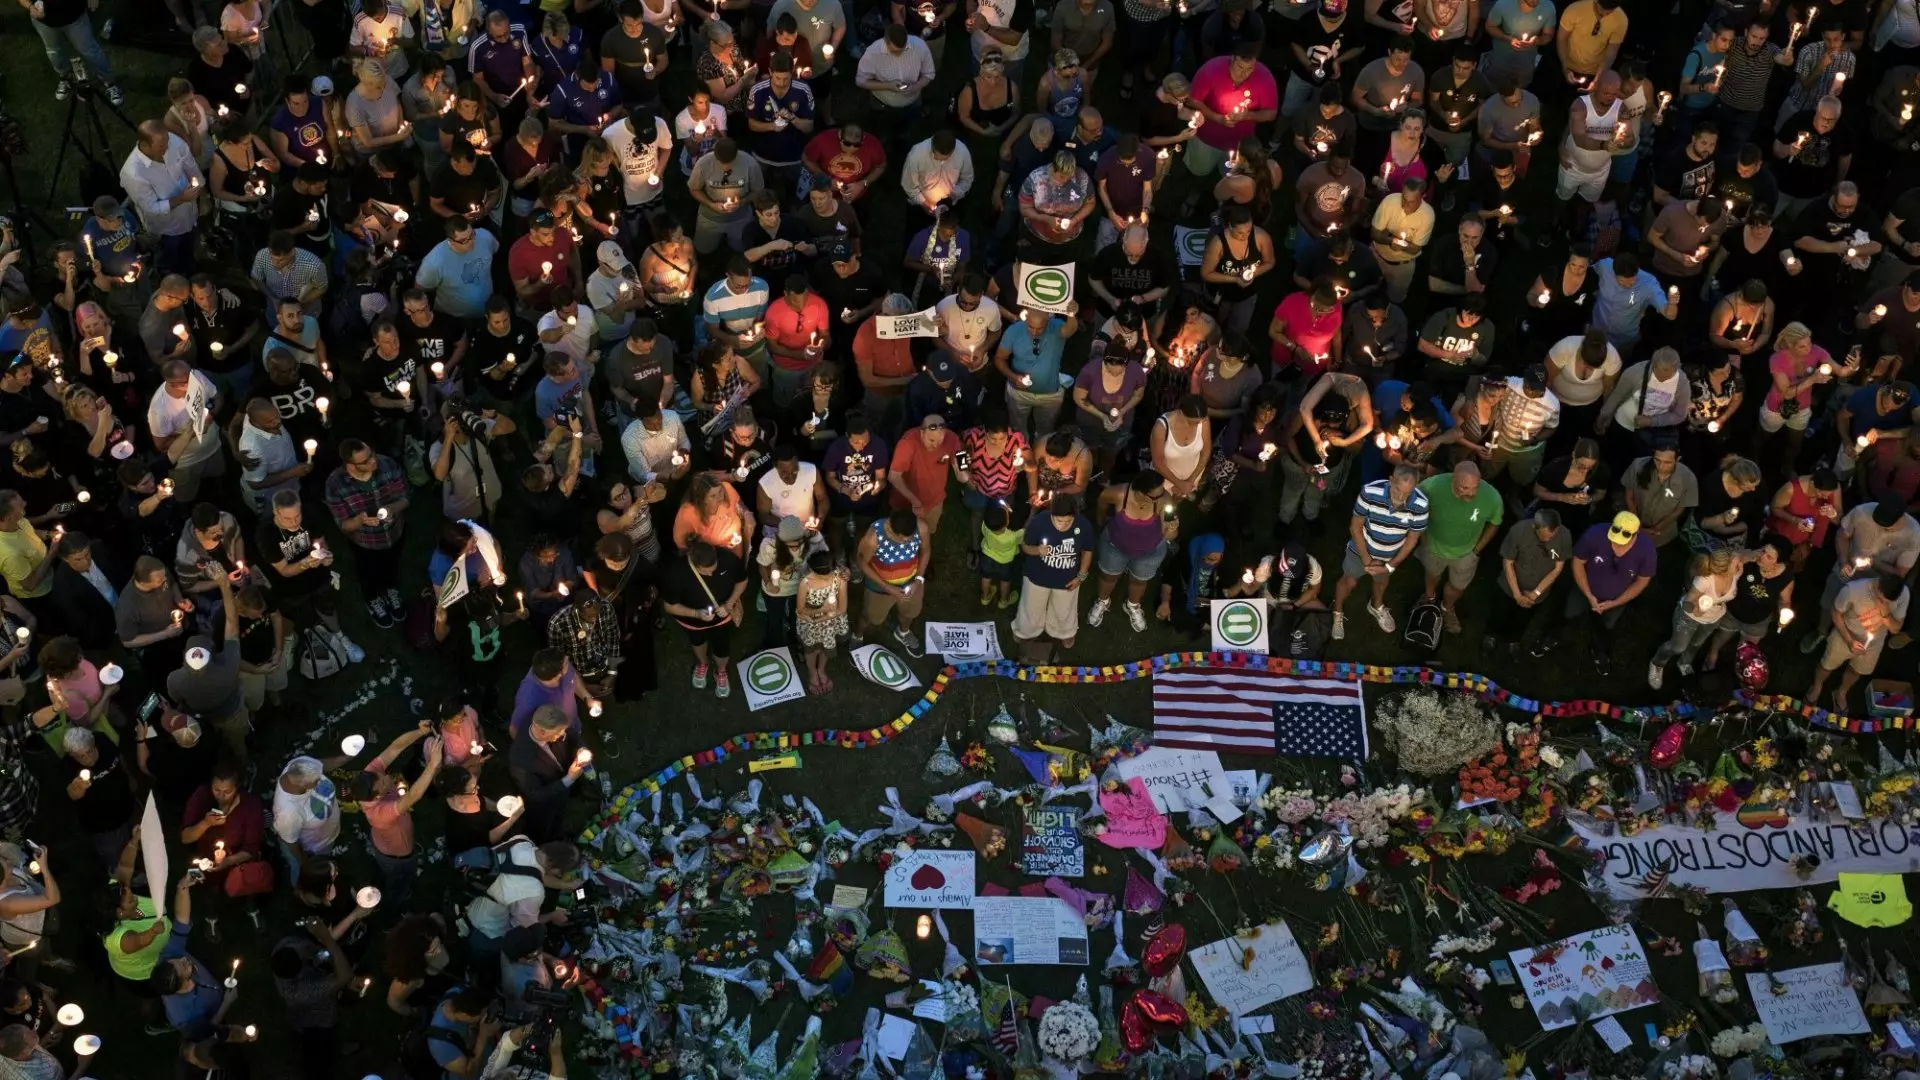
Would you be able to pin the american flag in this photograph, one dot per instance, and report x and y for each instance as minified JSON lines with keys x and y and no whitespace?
{"x":1006,"y":1033}
{"x":1248,"y":711}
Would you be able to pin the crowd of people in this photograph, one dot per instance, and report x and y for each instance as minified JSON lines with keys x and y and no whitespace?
{"x":517,"y":262}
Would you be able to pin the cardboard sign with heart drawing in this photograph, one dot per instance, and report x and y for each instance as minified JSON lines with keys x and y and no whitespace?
{"x":931,"y":879}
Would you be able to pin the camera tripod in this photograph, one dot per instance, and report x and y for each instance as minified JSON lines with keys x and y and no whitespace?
{"x":85,"y":95}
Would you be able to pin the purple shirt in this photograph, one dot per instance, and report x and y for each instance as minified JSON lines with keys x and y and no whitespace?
{"x":1097,"y":396}
{"x":855,"y":470}
{"x":533,"y":693}
{"x":499,"y":62}
{"x":1609,"y":573}
{"x":306,"y":135}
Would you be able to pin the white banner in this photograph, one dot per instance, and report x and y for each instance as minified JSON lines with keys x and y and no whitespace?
{"x":877,"y":665}
{"x":1239,"y":984}
{"x":153,"y":852}
{"x":1044,"y":288}
{"x":1817,"y":1001}
{"x":926,"y":878}
{"x":769,"y":678}
{"x":1733,"y":858}
{"x":918,"y":324}
{"x":1028,"y":930}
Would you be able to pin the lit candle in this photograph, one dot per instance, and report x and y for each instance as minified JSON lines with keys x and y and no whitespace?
{"x":508,"y":805}
{"x":311,"y":445}
{"x":233,"y":977}
{"x":1786,"y":616}
{"x":546,"y":271}
{"x":353,"y":744}
{"x":594,"y":708}
{"x":86,"y":776}
{"x":71,"y":1015}
{"x":368,"y":897}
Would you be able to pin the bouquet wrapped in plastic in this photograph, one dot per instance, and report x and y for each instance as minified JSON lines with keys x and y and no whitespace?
{"x":1716,"y":975}
{"x":989,"y":840}
{"x":1744,"y":945}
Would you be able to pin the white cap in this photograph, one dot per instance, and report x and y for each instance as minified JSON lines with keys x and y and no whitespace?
{"x":198,"y":658}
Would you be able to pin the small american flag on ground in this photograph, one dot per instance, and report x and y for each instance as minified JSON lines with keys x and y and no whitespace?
{"x":1249,"y":711}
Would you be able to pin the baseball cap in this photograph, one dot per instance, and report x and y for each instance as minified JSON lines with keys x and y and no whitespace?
{"x":1626,"y":526}
{"x":839,"y":251}
{"x":942,"y":368}
{"x":541,"y":219}
{"x":611,"y":256}
{"x":322,"y":86}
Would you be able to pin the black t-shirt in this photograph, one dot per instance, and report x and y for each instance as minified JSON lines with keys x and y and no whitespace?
{"x":1817,"y":221}
{"x":108,"y":803}
{"x":853,"y":292}
{"x":1162,"y":121}
{"x":774,"y":266}
{"x":1449,"y":264}
{"x":392,"y":190}
{"x":58,"y":13}
{"x":1745,"y":192}
{"x":433,"y":342}
{"x":1714,"y":501}
{"x":159,"y":531}
{"x":297,"y":402}
{"x":256,"y":638}
{"x":222,"y":85}
{"x":1321,"y":45}
{"x":1449,"y":105}
{"x":274,"y":544}
{"x":1898,"y":331}
{"x":1316,"y":129}
{"x":382,"y":376}
{"x":646,"y":373}
{"x":1599,"y":481}
{"x":19,"y":411}
{"x":680,"y":585}
{"x":487,"y":353}
{"x":459,"y":192}
{"x":556,"y":513}
{"x":305,"y":216}
{"x":467,"y":831}
{"x":1359,"y":271}
{"x":1814,"y":169}
{"x":1682,"y":177}
{"x":1126,"y":279}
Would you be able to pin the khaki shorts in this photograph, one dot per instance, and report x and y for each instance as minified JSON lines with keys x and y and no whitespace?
{"x":878,"y":603}
{"x":1771,"y":421}
{"x":1458,"y":572}
{"x":1053,"y":612}
{"x":1838,"y":654}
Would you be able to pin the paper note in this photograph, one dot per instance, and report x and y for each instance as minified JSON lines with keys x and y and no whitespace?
{"x":1027,"y":930}
{"x":1178,"y":779}
{"x":1847,"y":799}
{"x":1594,"y":974}
{"x":1612,"y":1033}
{"x":1817,"y":1001}
{"x":1239,"y":984}
{"x":895,"y":1033}
{"x":848,"y":896}
{"x":1255,"y":1025}
{"x":930,"y":879}
{"x":934,"y":1006}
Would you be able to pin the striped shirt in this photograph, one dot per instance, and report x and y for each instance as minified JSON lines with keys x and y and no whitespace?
{"x":1519,"y":421}
{"x":1743,"y":86}
{"x":735,"y":311}
{"x":1385,"y":526}
{"x":1800,"y":98}
{"x":994,"y":477}
{"x":895,"y":562}
{"x":306,"y":272}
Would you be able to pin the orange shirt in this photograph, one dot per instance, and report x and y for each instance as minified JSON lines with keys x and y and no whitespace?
{"x":887,"y":358}
{"x":796,"y":330}
{"x":726,"y":530}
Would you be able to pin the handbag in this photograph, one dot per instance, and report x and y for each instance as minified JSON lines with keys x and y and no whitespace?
{"x":250,"y":878}
{"x":319,"y":655}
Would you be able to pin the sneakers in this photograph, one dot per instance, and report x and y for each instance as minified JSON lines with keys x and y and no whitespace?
{"x":118,"y":99}
{"x":1097,"y":614}
{"x":1136,"y":618}
{"x":1339,"y":626}
{"x":1656,"y":674}
{"x":699,"y":676}
{"x":908,"y":642}
{"x":1686,"y":669}
{"x":345,"y":644}
{"x":61,"y":90}
{"x":722,"y":686}
{"x":1009,"y":600}
{"x":1382,"y":617}
{"x":377,"y":609}
{"x":396,"y":603}
{"x":1450,"y":620}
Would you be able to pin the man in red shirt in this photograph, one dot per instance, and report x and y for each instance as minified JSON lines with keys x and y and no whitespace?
{"x":540,"y":260}
{"x":227,"y":826}
{"x":919,"y":471}
{"x":886,"y":367}
{"x":846,"y":157}
{"x":798,"y":332}
{"x":1306,"y":332}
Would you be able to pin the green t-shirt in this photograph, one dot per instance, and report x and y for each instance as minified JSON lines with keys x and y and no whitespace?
{"x":20,"y":553}
{"x":1002,"y":548}
{"x":137,"y":966}
{"x":1454,"y":527}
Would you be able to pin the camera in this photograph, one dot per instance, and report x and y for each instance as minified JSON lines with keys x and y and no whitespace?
{"x":549,"y":1006}
{"x":471,"y":420}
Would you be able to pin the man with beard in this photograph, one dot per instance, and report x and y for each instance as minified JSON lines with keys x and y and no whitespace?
{"x":1129,"y":273}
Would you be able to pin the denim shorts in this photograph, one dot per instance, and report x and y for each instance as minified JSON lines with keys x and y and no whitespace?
{"x":1142,"y":568}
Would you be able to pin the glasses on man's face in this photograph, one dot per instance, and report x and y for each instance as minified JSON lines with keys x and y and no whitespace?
{"x":363,"y":463}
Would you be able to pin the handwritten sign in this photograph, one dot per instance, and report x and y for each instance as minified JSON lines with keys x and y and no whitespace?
{"x":1178,"y":779}
{"x":918,"y":324}
{"x":931,"y":879}
{"x":1817,"y":1001}
{"x":1028,"y":930}
{"x":1589,"y":975}
{"x":1132,"y":819}
{"x":1050,"y":842}
{"x":1278,"y":969}
{"x":1732,"y":858}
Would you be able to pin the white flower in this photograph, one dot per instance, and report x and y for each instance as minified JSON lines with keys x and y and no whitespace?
{"x":1068,"y":1032}
{"x":1551,"y":757}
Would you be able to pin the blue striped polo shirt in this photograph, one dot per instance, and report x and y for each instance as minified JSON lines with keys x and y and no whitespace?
{"x":1385,"y":526}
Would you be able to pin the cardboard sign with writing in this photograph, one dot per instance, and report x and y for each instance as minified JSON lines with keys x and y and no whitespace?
{"x":1278,"y":969}
{"x":1818,"y":1001}
{"x":931,"y":879}
{"x":1050,"y":842}
{"x":1044,"y":288}
{"x":960,"y":642}
{"x":1132,"y":819}
{"x":917,"y":324}
{"x":1178,"y":779}
{"x":1589,"y":975}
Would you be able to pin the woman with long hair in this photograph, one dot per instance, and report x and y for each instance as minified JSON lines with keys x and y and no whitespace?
{"x":712,"y":512}
{"x":1182,"y":446}
{"x":243,"y":163}
{"x":666,"y":272}
{"x":1762,"y":595}
{"x":1238,"y":253}
{"x":989,"y":102}
{"x":473,"y":120}
{"x":820,"y":620}
{"x":1712,"y":579}
{"x":1562,"y":298}
{"x":722,"y":384}
{"x":76,"y":696}
{"x":419,"y":965}
{"x":1251,"y":181}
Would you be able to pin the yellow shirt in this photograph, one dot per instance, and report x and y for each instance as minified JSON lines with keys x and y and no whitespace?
{"x":20,"y":554}
{"x":1589,"y":35}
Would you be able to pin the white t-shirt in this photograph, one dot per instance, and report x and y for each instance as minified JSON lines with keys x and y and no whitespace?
{"x":385,"y":34}
{"x":1567,"y":385}
{"x":641,"y":164}
{"x":311,"y":821}
{"x":189,"y":417}
{"x":603,"y":294}
{"x":968,"y":330}
{"x":578,"y":338}
{"x":999,"y":15}
{"x":795,"y":499}
{"x":698,"y":134}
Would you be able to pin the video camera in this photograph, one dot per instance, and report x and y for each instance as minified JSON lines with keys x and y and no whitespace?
{"x":548,"y":1006}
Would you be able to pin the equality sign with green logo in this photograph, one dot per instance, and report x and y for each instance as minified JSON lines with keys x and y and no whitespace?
{"x":878,"y":665}
{"x":1045,"y":288}
{"x":769,"y":678}
{"x":1240,"y":625}
{"x":1191,"y":243}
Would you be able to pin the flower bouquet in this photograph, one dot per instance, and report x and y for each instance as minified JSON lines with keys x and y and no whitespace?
{"x":1744,"y":947}
{"x":1736,"y":1042}
{"x":1069,"y":1032}
{"x":989,"y":840}
{"x":1431,"y":732}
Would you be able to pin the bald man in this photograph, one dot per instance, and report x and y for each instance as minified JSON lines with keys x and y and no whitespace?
{"x":163,"y":186}
{"x":1463,"y":516}
{"x":1593,"y":128}
{"x":269,"y":461}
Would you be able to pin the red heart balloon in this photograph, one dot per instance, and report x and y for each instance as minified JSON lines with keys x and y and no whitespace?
{"x":1665,"y":751}
{"x":1165,"y":949}
{"x":1160,"y":1008}
{"x":1136,"y":1031}
{"x":927,"y":878}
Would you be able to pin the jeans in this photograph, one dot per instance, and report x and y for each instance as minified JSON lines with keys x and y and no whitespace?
{"x":1303,"y":493}
{"x":79,"y":34}
{"x":1689,"y":635}
{"x":1043,"y":409}
{"x":397,"y":876}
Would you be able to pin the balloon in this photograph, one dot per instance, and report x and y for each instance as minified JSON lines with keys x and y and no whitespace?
{"x":1165,"y":949}
{"x":1145,"y":1012}
{"x":1665,"y":751}
{"x":1136,"y":1031}
{"x":1324,"y":848}
{"x":1750,"y":665}
{"x":1160,"y":1008}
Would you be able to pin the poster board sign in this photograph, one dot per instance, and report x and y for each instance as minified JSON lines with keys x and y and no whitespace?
{"x":1278,"y":969}
{"x":1027,"y":930}
{"x":153,"y":854}
{"x":1044,"y":288}
{"x":931,"y":879}
{"x":878,"y":666}
{"x":1178,"y":779}
{"x":1589,"y":975}
{"x":1191,"y":244}
{"x":769,"y":678}
{"x":960,"y":642}
{"x":1818,"y":1001}
{"x":1050,"y":843}
{"x":1240,"y":626}
{"x":1132,"y":819}
{"x":916,"y":324}
{"x":1732,"y":858}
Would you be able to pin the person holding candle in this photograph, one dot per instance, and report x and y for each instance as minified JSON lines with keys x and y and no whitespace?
{"x":1796,"y":367}
{"x":1703,"y":606}
{"x":388,"y":800}
{"x":311,"y":971}
{"x":367,"y":497}
{"x":538,"y":261}
{"x":270,"y":463}
{"x":100,"y":788}
{"x":226,"y":825}
{"x":28,"y":891}
{"x":1865,"y":614}
{"x":894,"y":72}
{"x":163,"y":185}
{"x":551,"y":681}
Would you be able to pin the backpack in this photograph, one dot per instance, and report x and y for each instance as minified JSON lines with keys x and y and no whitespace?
{"x":416,"y":1048}
{"x":1424,"y":625}
{"x":1301,"y":635}
{"x":317,"y":654}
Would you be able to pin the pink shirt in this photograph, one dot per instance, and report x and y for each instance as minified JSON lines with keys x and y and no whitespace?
{"x":1314,"y":335}
{"x":78,"y":693}
{"x":392,"y":827}
{"x":457,"y":737}
{"x":1213,"y":84}
{"x":1783,"y":363}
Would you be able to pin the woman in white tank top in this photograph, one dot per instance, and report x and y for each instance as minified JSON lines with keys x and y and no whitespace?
{"x":1181,"y":446}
